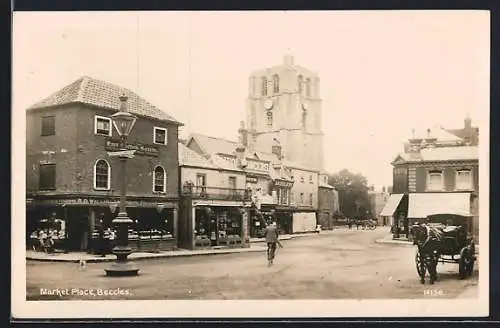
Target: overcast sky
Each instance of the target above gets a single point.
(382, 73)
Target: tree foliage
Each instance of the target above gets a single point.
(353, 193)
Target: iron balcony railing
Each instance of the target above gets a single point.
(217, 193)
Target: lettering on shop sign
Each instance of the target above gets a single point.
(92, 201)
(251, 180)
(281, 183)
(140, 149)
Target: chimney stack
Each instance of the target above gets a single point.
(430, 141)
(276, 148)
(415, 145)
(288, 60)
(468, 132)
(243, 134)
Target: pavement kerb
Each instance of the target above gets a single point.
(393, 242)
(112, 258)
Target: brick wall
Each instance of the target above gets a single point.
(449, 173)
(74, 170)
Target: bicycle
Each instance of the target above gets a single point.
(271, 251)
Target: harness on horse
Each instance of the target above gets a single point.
(433, 234)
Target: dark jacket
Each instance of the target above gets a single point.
(271, 234)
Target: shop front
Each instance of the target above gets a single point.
(217, 226)
(87, 223)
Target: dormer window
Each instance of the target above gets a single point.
(435, 180)
(463, 180)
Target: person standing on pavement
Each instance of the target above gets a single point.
(272, 238)
(101, 240)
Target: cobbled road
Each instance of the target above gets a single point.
(341, 264)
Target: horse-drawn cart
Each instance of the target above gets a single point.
(445, 238)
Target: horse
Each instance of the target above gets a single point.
(428, 240)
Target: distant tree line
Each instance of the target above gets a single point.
(354, 201)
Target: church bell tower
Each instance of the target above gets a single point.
(284, 104)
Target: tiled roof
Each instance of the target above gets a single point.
(299, 166)
(444, 154)
(189, 157)
(214, 145)
(439, 133)
(94, 92)
(461, 133)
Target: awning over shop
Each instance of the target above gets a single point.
(391, 205)
(422, 205)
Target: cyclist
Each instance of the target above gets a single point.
(272, 238)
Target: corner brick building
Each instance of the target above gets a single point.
(437, 173)
(70, 175)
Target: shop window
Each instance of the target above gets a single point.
(463, 180)
(102, 175)
(160, 179)
(48, 126)
(102, 126)
(202, 226)
(47, 178)
(153, 226)
(435, 181)
(229, 225)
(276, 83)
(160, 136)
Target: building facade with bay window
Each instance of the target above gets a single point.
(71, 177)
(438, 173)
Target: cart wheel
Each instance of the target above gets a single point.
(419, 261)
(464, 263)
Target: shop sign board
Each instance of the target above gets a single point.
(140, 149)
(283, 183)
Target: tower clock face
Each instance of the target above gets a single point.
(268, 104)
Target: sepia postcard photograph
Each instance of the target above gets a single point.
(250, 164)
